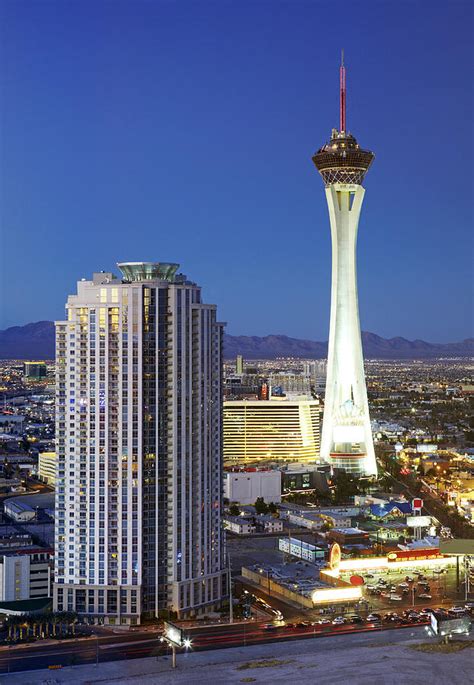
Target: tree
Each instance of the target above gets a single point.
(345, 487)
(260, 506)
(234, 510)
(272, 508)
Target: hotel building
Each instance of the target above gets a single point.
(138, 426)
(276, 430)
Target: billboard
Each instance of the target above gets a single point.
(418, 521)
(448, 626)
(173, 634)
(456, 546)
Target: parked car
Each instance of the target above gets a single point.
(457, 610)
(425, 595)
(339, 621)
(374, 617)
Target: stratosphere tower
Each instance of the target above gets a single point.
(346, 440)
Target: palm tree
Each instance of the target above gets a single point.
(73, 618)
(54, 620)
(13, 623)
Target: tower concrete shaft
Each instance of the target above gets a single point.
(347, 437)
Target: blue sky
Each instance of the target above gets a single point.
(184, 131)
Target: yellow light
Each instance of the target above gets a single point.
(336, 594)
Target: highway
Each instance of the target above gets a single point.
(90, 650)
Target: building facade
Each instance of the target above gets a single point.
(245, 486)
(347, 436)
(25, 569)
(274, 430)
(138, 426)
(35, 370)
(47, 467)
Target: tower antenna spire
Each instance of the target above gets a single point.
(342, 93)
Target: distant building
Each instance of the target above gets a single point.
(246, 486)
(301, 549)
(247, 525)
(276, 430)
(318, 519)
(19, 511)
(349, 536)
(298, 478)
(391, 509)
(47, 467)
(34, 370)
(25, 569)
(27, 507)
(239, 525)
(268, 523)
(239, 365)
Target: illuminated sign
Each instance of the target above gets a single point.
(414, 554)
(339, 594)
(334, 556)
(173, 634)
(418, 521)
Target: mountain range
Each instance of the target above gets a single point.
(36, 341)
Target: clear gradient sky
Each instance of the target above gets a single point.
(184, 131)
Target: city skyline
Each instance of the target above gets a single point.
(180, 132)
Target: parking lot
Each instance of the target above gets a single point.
(416, 587)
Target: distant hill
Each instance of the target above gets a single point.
(375, 347)
(33, 341)
(36, 341)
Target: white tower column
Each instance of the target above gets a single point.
(347, 437)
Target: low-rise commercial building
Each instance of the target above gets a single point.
(25, 570)
(301, 549)
(316, 520)
(348, 536)
(268, 524)
(239, 525)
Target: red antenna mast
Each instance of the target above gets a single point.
(342, 78)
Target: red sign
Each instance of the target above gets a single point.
(414, 554)
(357, 580)
(417, 504)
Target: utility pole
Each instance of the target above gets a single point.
(231, 605)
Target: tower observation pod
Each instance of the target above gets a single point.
(347, 436)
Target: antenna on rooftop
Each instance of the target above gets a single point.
(342, 93)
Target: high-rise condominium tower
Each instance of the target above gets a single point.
(138, 425)
(347, 437)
